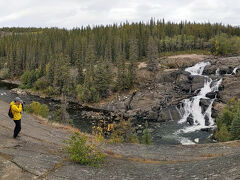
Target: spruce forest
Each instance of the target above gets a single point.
(90, 63)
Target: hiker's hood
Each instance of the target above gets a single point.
(12, 103)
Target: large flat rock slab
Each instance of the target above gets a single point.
(9, 171)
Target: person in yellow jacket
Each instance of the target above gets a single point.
(16, 108)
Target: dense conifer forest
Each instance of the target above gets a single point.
(90, 63)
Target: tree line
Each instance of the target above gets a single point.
(92, 62)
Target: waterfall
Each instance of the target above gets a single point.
(197, 69)
(235, 70)
(191, 107)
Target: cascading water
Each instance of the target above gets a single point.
(235, 69)
(191, 107)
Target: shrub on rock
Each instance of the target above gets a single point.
(82, 153)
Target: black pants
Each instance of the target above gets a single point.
(17, 128)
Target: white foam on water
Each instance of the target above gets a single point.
(198, 68)
(185, 141)
(235, 69)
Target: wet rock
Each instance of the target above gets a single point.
(221, 88)
(169, 113)
(185, 87)
(207, 129)
(211, 95)
(190, 120)
(237, 71)
(207, 123)
(210, 70)
(174, 113)
(197, 83)
(183, 82)
(225, 70)
(163, 116)
(196, 92)
(214, 77)
(204, 103)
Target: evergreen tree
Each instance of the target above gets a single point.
(133, 58)
(103, 79)
(152, 55)
(235, 128)
(122, 82)
(222, 134)
(61, 73)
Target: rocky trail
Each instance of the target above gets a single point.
(39, 154)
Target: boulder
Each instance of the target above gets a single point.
(207, 123)
(166, 76)
(164, 116)
(170, 113)
(197, 82)
(182, 78)
(204, 103)
(225, 70)
(209, 70)
(190, 120)
(207, 129)
(185, 87)
(211, 95)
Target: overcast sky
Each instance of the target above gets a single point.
(76, 13)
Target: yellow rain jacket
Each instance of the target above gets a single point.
(16, 110)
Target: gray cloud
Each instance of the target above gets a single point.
(73, 13)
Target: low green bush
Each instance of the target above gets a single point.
(41, 84)
(44, 111)
(146, 138)
(38, 109)
(82, 153)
